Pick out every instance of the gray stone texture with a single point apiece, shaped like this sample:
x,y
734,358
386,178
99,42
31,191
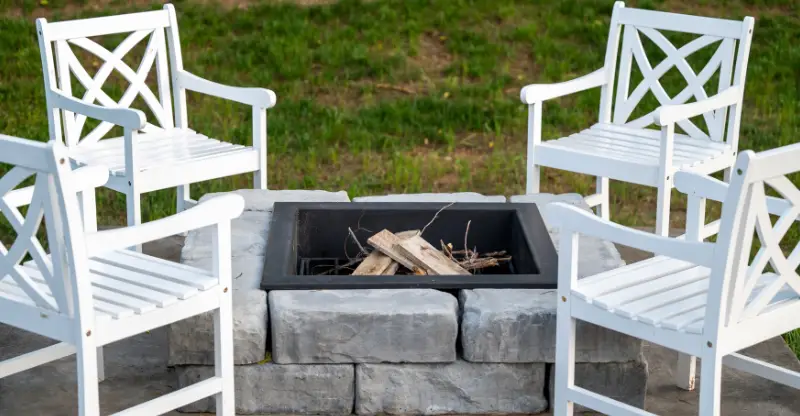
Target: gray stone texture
x,y
458,387
191,341
624,381
519,326
433,197
511,325
271,388
363,326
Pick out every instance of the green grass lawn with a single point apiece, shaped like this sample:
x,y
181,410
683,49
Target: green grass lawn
x,y
405,95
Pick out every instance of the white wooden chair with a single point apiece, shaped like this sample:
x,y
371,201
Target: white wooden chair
x,y
626,150
89,292
702,299
148,157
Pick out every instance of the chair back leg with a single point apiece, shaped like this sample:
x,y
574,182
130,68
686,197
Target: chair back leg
x,y
685,370
183,198
134,208
603,209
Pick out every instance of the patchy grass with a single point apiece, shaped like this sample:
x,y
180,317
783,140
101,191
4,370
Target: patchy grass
x,y
404,95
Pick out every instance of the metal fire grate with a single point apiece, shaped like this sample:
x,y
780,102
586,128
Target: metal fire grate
x,y
308,238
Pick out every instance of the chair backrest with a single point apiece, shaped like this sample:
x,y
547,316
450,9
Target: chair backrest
x,y
61,64
46,281
746,287
637,26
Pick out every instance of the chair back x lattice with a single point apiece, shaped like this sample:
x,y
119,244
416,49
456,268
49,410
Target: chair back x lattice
x,y
59,42
722,36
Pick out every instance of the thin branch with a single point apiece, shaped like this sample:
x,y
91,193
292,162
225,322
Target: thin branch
x,y
435,216
466,234
352,234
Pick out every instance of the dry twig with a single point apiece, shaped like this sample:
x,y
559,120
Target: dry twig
x,y
435,216
360,247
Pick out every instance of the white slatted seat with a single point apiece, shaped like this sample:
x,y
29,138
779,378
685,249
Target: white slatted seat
x,y
637,144
90,290
152,154
180,149
662,292
635,152
699,298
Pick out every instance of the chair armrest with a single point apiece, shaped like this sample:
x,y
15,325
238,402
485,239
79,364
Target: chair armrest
x,y
125,117
257,97
213,211
572,219
536,93
87,177
708,187
668,114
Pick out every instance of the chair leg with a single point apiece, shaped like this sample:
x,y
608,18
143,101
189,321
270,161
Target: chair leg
x,y
183,195
260,178
88,389
223,360
604,208
710,384
662,210
685,370
101,365
134,207
565,362
533,180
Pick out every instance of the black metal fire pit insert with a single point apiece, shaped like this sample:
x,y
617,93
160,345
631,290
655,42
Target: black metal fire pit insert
x,y
306,238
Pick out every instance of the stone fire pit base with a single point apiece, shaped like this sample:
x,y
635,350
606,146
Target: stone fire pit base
x,y
407,351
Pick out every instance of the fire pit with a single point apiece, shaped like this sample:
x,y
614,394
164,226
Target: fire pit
x,y
319,245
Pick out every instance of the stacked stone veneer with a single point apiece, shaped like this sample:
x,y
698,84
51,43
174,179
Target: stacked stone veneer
x,y
411,351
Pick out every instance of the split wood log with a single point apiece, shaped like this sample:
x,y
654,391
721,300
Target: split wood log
x,y
392,269
375,264
385,242
424,255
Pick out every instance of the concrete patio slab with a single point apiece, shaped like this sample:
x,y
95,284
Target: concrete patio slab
x,y
136,371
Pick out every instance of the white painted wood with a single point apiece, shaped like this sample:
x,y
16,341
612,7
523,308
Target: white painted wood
x,y
153,154
534,139
672,113
665,180
100,26
85,300
260,144
537,93
565,334
763,369
179,398
206,213
695,252
35,359
710,304
628,150
257,97
681,23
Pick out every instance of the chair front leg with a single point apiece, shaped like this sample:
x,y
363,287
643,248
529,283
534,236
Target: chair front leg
x,y
260,144
88,389
534,138
710,384
133,201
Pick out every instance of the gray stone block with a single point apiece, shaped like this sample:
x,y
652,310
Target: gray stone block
x,y
433,197
288,389
262,200
513,325
191,341
458,387
594,255
363,326
625,382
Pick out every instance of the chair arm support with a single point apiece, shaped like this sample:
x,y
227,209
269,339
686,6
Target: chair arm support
x,y
670,113
257,97
707,187
125,117
213,211
87,177
572,219
536,93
